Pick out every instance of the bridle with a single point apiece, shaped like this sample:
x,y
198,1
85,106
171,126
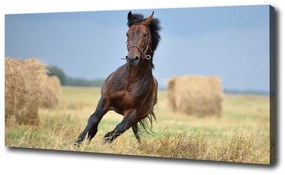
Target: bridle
x,y
144,53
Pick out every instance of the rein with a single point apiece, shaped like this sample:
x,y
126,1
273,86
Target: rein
x,y
144,53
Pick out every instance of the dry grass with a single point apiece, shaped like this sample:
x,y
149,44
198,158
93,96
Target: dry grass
x,y
240,135
195,95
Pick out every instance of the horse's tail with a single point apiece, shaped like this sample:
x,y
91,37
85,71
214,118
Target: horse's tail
x,y
146,123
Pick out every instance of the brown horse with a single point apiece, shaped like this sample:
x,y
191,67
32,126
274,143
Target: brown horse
x,y
132,89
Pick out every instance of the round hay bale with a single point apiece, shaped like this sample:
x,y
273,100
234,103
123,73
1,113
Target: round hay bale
x,y
195,95
51,93
24,80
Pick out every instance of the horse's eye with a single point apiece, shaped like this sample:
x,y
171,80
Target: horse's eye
x,y
145,35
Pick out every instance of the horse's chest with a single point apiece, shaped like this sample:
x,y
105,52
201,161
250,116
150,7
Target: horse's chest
x,y
131,94
131,97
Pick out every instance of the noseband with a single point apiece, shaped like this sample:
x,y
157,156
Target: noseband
x,y
144,53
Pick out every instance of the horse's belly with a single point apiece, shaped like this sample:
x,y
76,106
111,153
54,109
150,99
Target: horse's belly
x,y
121,101
125,101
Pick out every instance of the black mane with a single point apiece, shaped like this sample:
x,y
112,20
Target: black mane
x,y
154,27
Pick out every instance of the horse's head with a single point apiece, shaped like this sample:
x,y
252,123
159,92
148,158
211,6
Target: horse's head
x,y
139,40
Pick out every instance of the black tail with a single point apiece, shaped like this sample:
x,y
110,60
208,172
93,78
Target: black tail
x,y
146,123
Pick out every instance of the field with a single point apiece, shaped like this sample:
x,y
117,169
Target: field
x,y
241,134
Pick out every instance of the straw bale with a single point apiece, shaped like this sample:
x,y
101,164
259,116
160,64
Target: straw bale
x,y
51,94
24,80
195,95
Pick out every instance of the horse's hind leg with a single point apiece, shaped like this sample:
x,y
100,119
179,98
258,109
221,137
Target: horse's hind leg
x,y
93,121
125,124
136,133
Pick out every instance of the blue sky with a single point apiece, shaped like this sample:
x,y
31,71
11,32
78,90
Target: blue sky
x,y
230,42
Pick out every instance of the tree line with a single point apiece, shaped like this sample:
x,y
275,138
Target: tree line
x,y
71,81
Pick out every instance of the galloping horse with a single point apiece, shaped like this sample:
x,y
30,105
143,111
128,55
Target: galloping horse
x,y
132,89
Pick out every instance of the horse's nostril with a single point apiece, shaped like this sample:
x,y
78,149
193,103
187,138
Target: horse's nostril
x,y
136,58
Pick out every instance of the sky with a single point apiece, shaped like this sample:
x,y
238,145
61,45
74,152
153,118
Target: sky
x,y
229,42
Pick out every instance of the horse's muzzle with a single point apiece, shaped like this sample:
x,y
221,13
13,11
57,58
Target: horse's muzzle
x,y
133,61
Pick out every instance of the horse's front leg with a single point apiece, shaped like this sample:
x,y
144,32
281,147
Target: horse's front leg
x,y
93,121
129,120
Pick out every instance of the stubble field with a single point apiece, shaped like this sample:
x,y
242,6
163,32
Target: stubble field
x,y
241,134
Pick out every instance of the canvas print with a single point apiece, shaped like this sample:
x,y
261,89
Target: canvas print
x,y
182,83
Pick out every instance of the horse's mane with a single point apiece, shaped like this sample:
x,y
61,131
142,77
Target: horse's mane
x,y
154,27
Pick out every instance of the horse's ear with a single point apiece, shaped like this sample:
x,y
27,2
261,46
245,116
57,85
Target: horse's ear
x,y
148,20
130,16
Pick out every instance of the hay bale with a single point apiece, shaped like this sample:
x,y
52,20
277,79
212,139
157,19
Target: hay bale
x,y
195,95
24,80
51,93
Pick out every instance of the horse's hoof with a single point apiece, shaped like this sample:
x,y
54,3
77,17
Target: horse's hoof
x,y
107,139
78,142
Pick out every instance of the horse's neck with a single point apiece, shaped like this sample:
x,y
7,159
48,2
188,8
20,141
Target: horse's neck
x,y
137,72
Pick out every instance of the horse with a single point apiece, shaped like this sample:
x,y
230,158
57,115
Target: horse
x,y
131,90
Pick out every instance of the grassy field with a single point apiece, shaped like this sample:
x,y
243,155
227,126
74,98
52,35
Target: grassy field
x,y
241,134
